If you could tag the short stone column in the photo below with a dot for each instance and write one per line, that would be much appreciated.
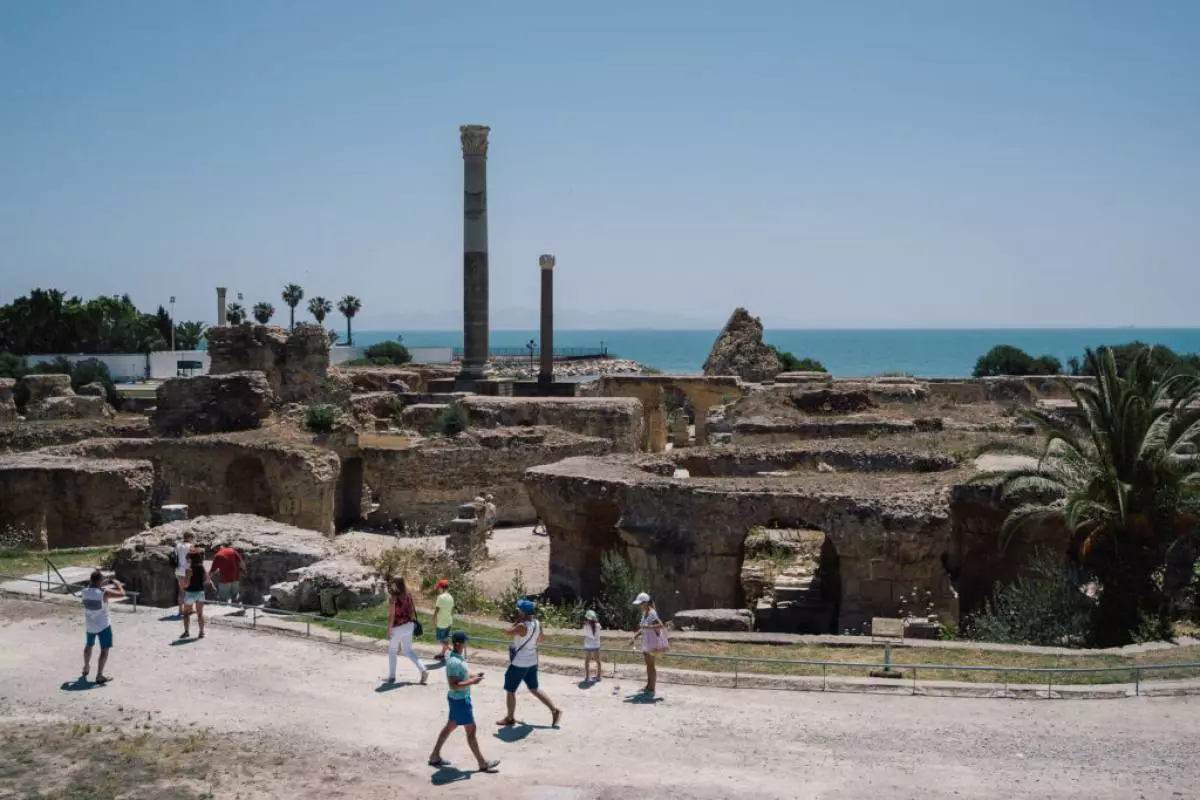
(222, 318)
(467, 541)
(701, 426)
(474, 140)
(680, 436)
(174, 513)
(546, 376)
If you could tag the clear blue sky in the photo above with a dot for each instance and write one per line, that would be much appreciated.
(919, 164)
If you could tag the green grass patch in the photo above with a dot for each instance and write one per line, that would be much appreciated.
(19, 562)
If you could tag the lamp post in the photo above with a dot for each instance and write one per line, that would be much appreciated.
(531, 347)
(172, 323)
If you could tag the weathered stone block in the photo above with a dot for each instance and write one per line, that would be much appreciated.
(296, 364)
(8, 405)
(739, 350)
(618, 419)
(71, 407)
(92, 390)
(714, 619)
(235, 401)
(423, 417)
(271, 551)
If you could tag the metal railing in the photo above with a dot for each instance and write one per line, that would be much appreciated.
(66, 586)
(526, 352)
(735, 665)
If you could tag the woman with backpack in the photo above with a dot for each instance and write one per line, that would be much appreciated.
(654, 640)
(402, 623)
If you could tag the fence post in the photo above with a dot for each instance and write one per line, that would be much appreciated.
(735, 673)
(308, 627)
(339, 624)
(914, 688)
(1137, 682)
(253, 616)
(824, 676)
(1049, 685)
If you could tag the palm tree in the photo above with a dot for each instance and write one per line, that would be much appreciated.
(319, 307)
(189, 334)
(1122, 487)
(349, 306)
(263, 312)
(292, 295)
(235, 313)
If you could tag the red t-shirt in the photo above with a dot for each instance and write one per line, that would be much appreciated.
(229, 563)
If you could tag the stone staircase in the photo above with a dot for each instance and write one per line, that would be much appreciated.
(795, 600)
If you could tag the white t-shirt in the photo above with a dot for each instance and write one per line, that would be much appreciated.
(95, 610)
(527, 656)
(181, 554)
(591, 639)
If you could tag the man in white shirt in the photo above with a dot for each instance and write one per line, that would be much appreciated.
(97, 624)
(526, 635)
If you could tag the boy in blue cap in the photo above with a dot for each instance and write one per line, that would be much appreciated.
(526, 635)
(460, 681)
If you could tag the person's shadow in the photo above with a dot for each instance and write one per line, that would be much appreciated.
(79, 684)
(445, 775)
(391, 687)
(181, 641)
(644, 699)
(585, 684)
(515, 733)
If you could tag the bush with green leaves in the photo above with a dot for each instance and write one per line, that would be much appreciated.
(322, 417)
(389, 352)
(468, 596)
(516, 590)
(452, 420)
(1004, 359)
(1046, 607)
(791, 363)
(619, 584)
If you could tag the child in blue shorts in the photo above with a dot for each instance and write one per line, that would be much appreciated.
(460, 681)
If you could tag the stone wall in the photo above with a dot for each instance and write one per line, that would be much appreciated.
(25, 436)
(8, 406)
(74, 502)
(51, 397)
(296, 364)
(234, 401)
(701, 393)
(618, 419)
(292, 483)
(422, 482)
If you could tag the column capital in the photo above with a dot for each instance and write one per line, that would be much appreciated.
(474, 139)
(546, 261)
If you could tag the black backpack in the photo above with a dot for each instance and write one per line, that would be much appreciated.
(173, 558)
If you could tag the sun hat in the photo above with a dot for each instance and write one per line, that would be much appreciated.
(525, 606)
(459, 637)
(443, 584)
(590, 616)
(641, 598)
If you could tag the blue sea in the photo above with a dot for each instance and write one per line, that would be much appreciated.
(850, 353)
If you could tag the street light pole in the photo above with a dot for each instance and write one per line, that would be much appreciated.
(172, 323)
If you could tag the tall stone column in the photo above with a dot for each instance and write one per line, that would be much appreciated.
(222, 320)
(546, 376)
(475, 251)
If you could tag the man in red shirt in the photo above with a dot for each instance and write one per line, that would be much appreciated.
(227, 568)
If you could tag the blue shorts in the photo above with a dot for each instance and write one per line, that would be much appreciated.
(105, 638)
(461, 712)
(515, 676)
(442, 634)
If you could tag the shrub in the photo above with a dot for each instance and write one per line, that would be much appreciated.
(385, 353)
(392, 563)
(1045, 608)
(1162, 359)
(322, 417)
(619, 584)
(468, 596)
(1004, 359)
(15, 367)
(452, 421)
(793, 364)
(515, 591)
(567, 615)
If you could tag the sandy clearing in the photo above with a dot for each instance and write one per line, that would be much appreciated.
(296, 697)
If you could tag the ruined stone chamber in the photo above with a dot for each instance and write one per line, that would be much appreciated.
(892, 523)
(67, 502)
(295, 364)
(255, 472)
(421, 482)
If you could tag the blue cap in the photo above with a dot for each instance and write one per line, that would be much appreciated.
(525, 606)
(459, 637)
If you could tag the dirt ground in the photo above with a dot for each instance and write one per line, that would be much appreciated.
(250, 715)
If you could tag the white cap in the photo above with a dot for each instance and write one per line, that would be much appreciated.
(641, 598)
(590, 615)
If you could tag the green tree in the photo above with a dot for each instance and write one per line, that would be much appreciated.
(1122, 487)
(292, 295)
(188, 335)
(1004, 359)
(162, 323)
(349, 306)
(385, 353)
(793, 364)
(235, 313)
(1162, 359)
(263, 311)
(319, 307)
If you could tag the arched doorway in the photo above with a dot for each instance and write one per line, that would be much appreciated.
(247, 488)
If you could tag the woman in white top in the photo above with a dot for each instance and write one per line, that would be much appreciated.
(654, 640)
(591, 645)
(183, 552)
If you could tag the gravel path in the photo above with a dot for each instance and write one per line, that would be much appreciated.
(294, 697)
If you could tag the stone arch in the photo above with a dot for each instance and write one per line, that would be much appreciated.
(350, 493)
(247, 487)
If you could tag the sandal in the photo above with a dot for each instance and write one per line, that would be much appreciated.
(507, 722)
(438, 762)
(101, 680)
(425, 677)
(490, 767)
(554, 719)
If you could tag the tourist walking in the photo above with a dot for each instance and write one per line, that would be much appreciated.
(402, 619)
(183, 551)
(654, 640)
(443, 617)
(193, 597)
(96, 622)
(591, 644)
(227, 568)
(459, 680)
(526, 635)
